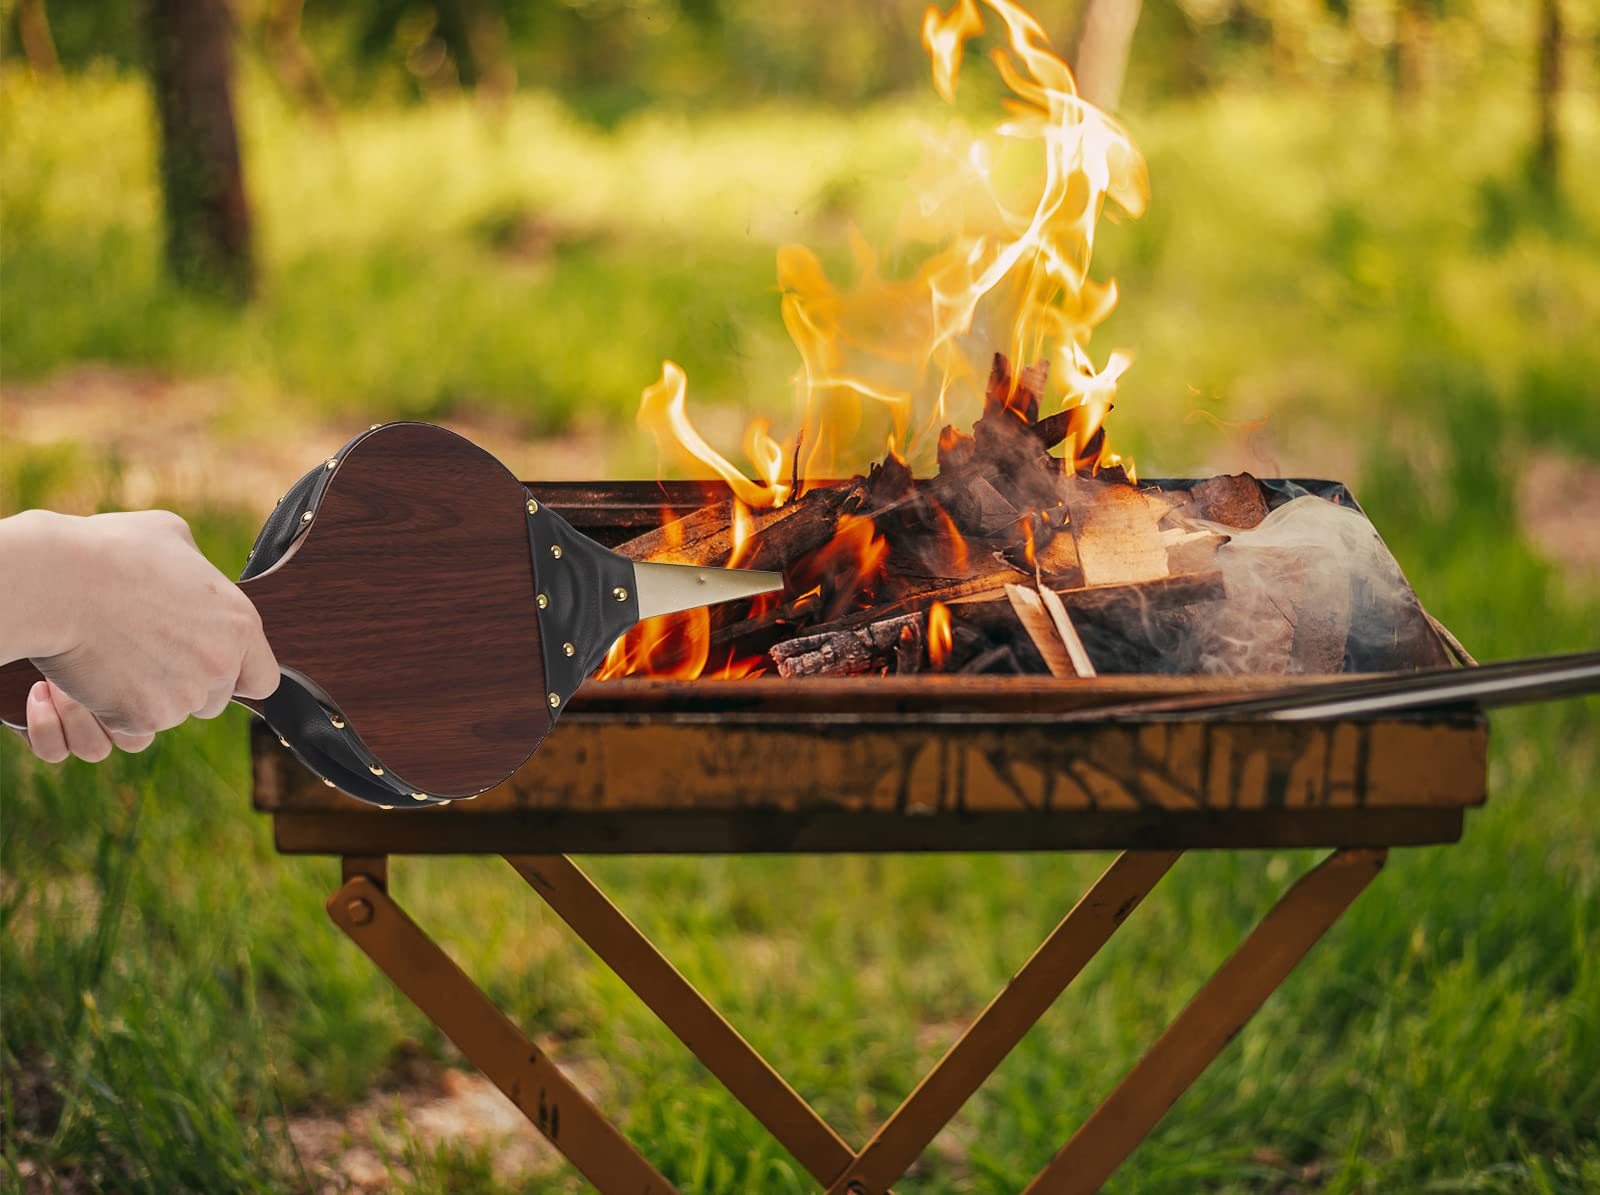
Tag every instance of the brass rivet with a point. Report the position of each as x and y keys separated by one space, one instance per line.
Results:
x=306 y=518
x=337 y=721
x=568 y=648
x=555 y=700
x=441 y=804
x=555 y=550
x=360 y=911
x=283 y=740
x=419 y=796
x=533 y=507
x=328 y=782
x=250 y=555
x=385 y=806
x=543 y=601
x=620 y=594
x=333 y=463
x=374 y=427
x=375 y=769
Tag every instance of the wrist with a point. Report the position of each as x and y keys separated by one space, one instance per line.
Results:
x=43 y=557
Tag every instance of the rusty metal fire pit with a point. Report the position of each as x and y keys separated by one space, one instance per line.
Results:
x=884 y=764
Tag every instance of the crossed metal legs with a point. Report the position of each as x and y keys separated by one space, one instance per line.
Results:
x=364 y=910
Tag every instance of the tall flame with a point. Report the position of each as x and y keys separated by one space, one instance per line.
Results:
x=895 y=358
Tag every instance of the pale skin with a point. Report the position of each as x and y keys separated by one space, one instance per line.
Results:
x=134 y=630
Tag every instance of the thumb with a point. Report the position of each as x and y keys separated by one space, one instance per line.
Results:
x=258 y=674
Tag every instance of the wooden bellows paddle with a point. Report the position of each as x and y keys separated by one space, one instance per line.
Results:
x=431 y=617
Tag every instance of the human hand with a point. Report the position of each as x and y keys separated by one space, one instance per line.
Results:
x=146 y=633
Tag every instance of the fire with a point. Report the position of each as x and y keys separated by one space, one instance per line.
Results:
x=899 y=357
x=940 y=636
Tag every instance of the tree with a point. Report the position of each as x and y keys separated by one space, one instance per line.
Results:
x=1547 y=147
x=208 y=236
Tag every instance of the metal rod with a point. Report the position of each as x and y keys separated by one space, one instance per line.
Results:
x=1219 y=1010
x=1508 y=682
x=666 y=588
x=682 y=1009
x=994 y=1034
x=444 y=994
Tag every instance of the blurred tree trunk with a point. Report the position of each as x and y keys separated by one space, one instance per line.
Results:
x=475 y=33
x=1409 y=54
x=1547 y=148
x=291 y=61
x=202 y=182
x=33 y=31
x=1100 y=48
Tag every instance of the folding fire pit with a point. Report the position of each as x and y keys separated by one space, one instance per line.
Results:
x=894 y=763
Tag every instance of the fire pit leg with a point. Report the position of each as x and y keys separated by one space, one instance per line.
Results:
x=996 y=1031
x=441 y=990
x=1211 y=1020
x=682 y=1009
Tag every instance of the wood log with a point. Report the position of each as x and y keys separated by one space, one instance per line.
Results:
x=1235 y=500
x=781 y=536
x=895 y=644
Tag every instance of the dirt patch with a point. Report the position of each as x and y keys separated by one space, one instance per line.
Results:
x=1557 y=500
x=365 y=1148
x=134 y=439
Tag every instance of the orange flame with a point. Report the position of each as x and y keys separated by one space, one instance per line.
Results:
x=941 y=638
x=900 y=356
x=901 y=350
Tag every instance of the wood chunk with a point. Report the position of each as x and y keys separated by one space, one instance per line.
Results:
x=1117 y=534
x=979 y=509
x=1079 y=655
x=899 y=642
x=1041 y=628
x=1235 y=500
x=811 y=522
x=1191 y=551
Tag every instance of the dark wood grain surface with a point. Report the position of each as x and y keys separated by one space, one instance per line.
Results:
x=410 y=602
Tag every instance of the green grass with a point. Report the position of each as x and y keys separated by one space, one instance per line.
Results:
x=1396 y=299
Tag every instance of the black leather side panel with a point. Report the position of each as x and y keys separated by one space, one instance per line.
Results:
x=580 y=586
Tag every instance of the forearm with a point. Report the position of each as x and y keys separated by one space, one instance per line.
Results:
x=42 y=589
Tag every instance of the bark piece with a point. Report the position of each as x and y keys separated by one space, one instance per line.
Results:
x=1232 y=499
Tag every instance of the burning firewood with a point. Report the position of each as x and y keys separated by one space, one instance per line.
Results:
x=894 y=644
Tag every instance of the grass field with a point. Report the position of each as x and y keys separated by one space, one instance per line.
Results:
x=1395 y=295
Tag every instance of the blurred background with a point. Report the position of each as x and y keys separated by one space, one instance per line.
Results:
x=231 y=234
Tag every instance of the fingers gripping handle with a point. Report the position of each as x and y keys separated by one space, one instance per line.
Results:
x=16 y=678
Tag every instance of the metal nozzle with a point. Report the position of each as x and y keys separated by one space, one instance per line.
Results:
x=664 y=588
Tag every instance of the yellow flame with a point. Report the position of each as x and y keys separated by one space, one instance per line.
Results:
x=1012 y=275
x=944 y=37
x=662 y=410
